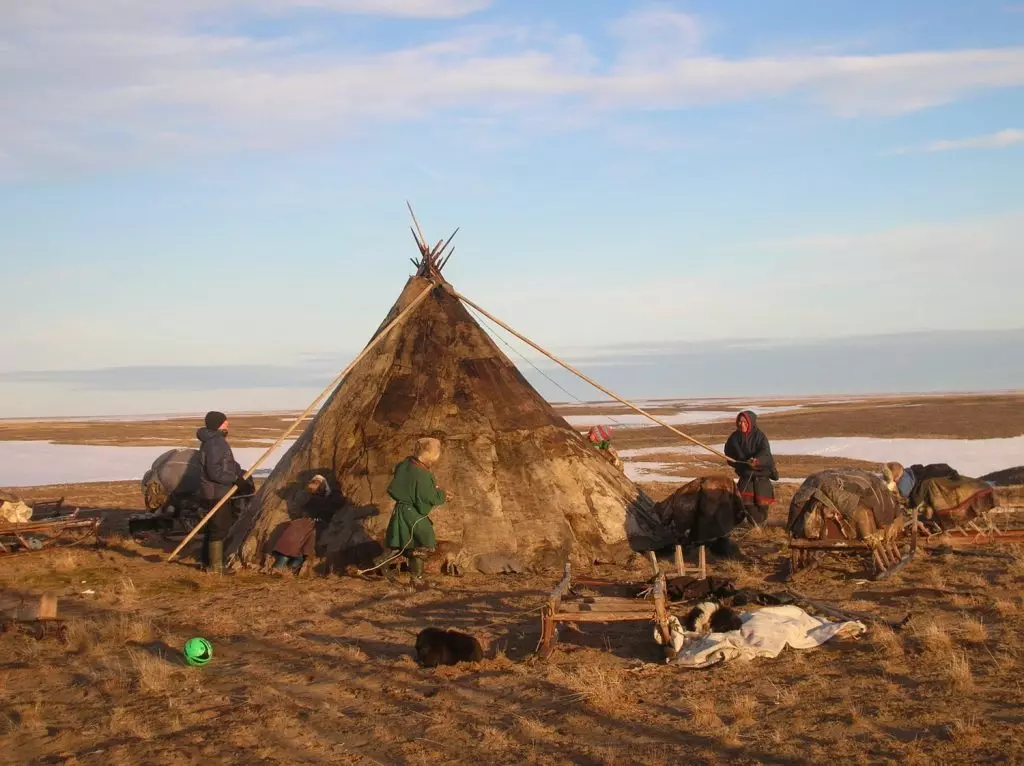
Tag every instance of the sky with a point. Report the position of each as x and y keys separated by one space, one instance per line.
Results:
x=206 y=199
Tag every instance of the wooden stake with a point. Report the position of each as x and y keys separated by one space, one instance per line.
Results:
x=680 y=565
x=422 y=240
x=653 y=560
x=579 y=374
x=447 y=242
x=334 y=384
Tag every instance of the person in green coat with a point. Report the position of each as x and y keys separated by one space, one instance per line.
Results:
x=415 y=492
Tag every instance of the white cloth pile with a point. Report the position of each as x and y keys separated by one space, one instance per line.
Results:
x=765 y=633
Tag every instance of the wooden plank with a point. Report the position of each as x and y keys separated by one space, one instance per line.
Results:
x=604 y=616
x=608 y=605
x=27 y=608
x=829 y=544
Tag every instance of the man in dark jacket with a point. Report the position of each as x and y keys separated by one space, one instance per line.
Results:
x=750 y=455
x=219 y=473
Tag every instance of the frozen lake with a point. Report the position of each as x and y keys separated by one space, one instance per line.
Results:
x=33 y=463
x=972 y=457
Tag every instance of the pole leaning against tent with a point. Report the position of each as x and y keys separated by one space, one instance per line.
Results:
x=291 y=429
x=579 y=374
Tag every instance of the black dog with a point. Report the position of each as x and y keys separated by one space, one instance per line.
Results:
x=446 y=647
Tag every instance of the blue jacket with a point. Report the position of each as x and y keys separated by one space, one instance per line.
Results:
x=219 y=469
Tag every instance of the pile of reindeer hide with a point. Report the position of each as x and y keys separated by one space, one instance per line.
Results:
x=843 y=495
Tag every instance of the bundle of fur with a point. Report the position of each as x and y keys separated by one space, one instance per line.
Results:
x=709 y=617
x=446 y=647
x=686 y=588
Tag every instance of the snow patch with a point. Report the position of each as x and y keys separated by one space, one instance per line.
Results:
x=971 y=457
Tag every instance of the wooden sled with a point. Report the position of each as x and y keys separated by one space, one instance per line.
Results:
x=563 y=606
x=39 y=534
x=888 y=556
x=35 y=617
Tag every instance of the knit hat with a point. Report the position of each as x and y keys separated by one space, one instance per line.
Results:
x=599 y=434
x=215 y=420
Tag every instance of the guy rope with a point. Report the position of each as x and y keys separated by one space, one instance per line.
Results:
x=580 y=375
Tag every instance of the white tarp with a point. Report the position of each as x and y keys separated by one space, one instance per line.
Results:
x=765 y=633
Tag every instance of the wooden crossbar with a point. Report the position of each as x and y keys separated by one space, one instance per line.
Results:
x=561 y=607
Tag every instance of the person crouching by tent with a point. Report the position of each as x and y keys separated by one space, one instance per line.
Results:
x=601 y=437
x=415 y=492
x=219 y=472
x=750 y=455
x=297 y=542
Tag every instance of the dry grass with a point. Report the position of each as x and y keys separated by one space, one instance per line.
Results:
x=602 y=688
x=965 y=731
x=125 y=723
x=65 y=560
x=532 y=730
x=743 y=710
x=887 y=641
x=153 y=673
x=959 y=671
x=1006 y=607
x=936 y=641
x=126 y=594
x=974 y=629
x=705 y=714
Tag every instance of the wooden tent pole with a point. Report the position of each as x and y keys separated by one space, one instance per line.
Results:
x=334 y=383
x=579 y=374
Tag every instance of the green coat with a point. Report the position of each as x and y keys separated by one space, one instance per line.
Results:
x=415 y=492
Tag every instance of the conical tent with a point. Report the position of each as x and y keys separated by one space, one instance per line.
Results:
x=524 y=482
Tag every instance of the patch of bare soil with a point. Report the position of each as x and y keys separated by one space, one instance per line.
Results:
x=322 y=670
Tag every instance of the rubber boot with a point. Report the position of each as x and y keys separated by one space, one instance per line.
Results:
x=216 y=557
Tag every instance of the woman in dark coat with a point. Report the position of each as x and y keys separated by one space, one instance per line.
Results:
x=750 y=455
x=297 y=542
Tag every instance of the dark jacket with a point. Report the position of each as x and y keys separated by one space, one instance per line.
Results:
x=755 y=484
x=219 y=469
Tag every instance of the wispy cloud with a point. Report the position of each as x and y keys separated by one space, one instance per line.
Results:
x=116 y=81
x=998 y=140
